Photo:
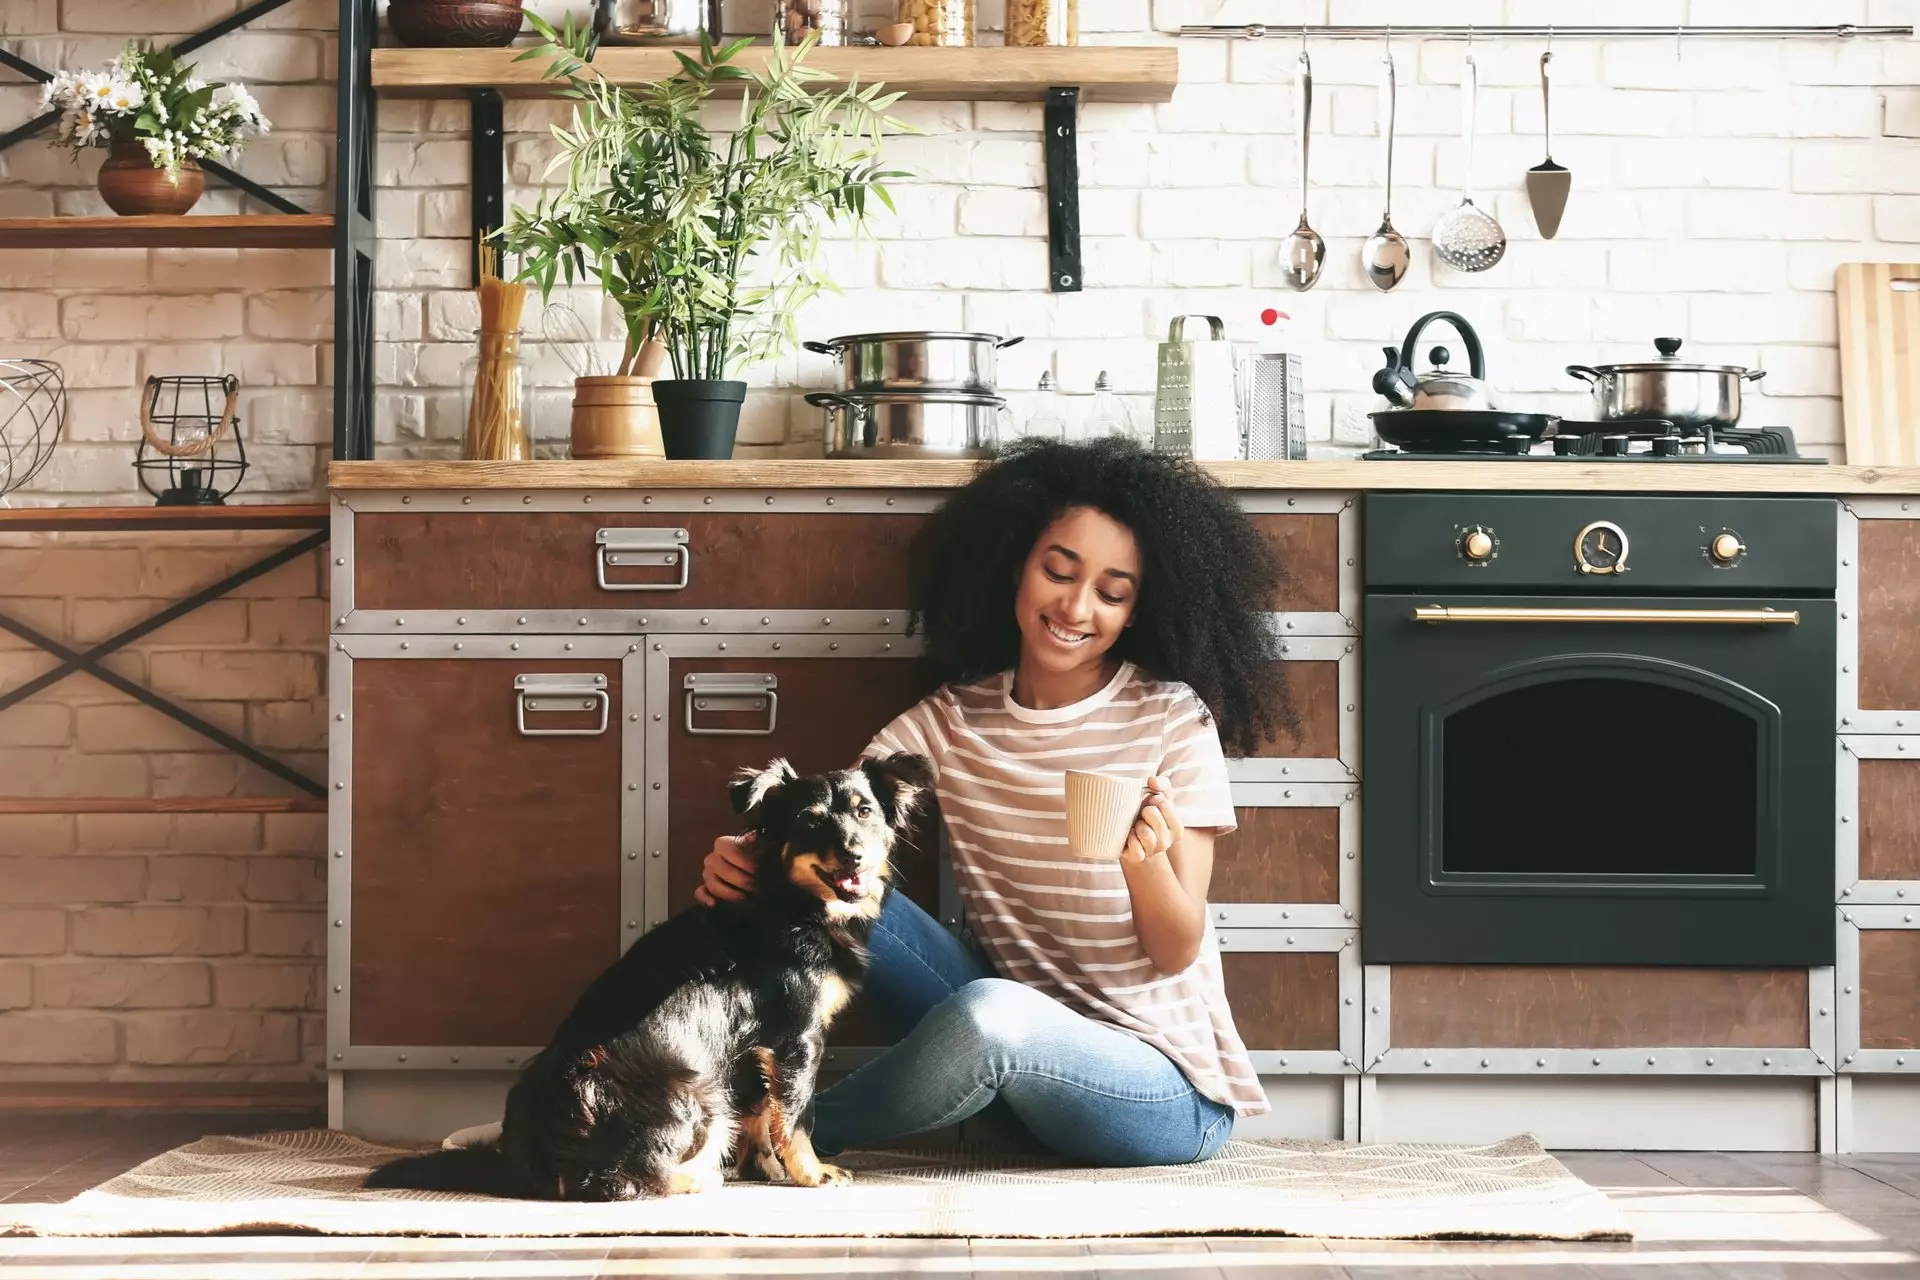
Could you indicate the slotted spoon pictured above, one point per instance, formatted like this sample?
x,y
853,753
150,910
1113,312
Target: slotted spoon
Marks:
x,y
1467,237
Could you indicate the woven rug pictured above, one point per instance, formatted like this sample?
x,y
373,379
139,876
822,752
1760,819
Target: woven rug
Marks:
x,y
310,1180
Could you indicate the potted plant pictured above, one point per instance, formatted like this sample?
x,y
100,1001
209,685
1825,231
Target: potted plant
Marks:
x,y
155,118
708,244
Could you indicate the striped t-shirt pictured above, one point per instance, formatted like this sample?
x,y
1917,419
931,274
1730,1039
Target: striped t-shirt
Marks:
x,y
1064,925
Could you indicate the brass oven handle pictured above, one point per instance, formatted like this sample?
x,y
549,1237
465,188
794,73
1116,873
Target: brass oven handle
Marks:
x,y
1725,617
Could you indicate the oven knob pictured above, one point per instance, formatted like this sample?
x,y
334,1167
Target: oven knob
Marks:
x,y
1477,544
1726,548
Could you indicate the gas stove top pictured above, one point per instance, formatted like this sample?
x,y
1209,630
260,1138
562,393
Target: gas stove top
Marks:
x,y
1606,442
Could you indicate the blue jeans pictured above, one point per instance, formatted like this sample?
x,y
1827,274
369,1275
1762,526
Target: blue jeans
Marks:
x,y
1090,1092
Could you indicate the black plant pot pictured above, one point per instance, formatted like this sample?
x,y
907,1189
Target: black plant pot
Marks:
x,y
698,416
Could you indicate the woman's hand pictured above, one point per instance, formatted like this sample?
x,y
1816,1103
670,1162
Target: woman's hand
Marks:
x,y
1158,828
726,875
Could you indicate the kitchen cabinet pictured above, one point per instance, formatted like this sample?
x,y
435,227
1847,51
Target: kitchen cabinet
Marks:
x,y
477,878
496,847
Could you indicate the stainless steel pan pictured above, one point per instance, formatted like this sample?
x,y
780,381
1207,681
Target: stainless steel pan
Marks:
x,y
909,424
1691,396
925,360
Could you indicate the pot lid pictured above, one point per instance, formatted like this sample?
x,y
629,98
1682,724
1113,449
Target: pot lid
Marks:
x,y
910,335
1669,362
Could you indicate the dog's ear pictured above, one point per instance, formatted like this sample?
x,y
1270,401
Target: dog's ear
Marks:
x,y
752,787
899,781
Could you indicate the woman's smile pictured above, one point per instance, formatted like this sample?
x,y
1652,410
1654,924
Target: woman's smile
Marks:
x,y
1065,635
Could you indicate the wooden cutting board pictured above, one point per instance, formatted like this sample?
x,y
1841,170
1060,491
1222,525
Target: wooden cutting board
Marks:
x,y
1880,361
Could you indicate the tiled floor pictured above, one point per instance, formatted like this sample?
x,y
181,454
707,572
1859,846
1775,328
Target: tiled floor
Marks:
x,y
1731,1217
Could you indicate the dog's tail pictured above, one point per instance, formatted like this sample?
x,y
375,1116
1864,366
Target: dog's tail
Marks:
x,y
481,1167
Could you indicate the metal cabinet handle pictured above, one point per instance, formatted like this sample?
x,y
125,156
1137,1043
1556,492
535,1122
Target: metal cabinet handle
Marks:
x,y
643,546
547,694
732,691
1725,617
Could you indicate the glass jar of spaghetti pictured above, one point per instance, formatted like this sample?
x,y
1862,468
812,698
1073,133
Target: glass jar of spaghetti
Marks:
x,y
1043,22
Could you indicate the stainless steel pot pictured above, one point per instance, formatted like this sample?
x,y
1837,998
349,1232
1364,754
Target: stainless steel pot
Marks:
x,y
1691,396
909,424
916,361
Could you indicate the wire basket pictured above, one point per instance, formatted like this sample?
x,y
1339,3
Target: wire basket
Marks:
x,y
33,414
190,438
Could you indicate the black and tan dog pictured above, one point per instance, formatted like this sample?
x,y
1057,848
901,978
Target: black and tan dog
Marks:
x,y
705,1037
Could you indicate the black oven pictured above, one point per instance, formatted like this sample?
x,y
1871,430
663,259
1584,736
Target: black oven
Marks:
x,y
1598,730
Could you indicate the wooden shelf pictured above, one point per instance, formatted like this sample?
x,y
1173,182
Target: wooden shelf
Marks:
x,y
184,231
163,804
1104,73
146,519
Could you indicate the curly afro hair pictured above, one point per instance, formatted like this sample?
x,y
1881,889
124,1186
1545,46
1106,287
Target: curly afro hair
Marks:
x,y
1208,577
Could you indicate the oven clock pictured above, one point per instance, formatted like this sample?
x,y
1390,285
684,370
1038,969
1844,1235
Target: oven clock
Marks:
x,y
1601,547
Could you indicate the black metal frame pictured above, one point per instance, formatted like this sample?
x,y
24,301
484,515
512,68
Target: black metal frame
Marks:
x,y
354,235
199,39
89,661
1062,147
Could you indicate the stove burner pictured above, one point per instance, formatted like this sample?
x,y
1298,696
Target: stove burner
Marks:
x,y
1649,442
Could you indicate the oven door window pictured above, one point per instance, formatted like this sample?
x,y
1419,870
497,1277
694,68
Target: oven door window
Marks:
x,y
1611,770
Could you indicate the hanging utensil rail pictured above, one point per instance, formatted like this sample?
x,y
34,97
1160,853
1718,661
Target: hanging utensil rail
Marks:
x,y
1260,30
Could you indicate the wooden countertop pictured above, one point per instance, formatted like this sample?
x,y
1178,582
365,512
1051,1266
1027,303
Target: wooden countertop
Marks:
x,y
816,473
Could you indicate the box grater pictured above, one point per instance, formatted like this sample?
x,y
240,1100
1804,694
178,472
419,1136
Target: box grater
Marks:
x,y
1273,410
1195,411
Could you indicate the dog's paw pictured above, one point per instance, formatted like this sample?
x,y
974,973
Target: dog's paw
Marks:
x,y
691,1180
825,1175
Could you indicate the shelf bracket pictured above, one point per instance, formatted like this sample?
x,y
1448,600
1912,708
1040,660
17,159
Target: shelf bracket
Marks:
x,y
487,133
1062,147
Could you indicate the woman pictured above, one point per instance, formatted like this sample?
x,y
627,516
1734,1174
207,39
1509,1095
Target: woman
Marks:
x,y
1085,607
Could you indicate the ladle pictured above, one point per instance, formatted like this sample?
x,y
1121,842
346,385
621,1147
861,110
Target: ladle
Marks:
x,y
1304,252
1385,255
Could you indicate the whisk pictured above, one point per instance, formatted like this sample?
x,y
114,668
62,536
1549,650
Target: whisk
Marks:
x,y
563,330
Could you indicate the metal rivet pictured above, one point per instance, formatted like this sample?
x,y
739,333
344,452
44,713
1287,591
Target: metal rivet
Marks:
x,y
633,924
406,644
887,647
657,646
1289,939
583,622
1823,1013
337,987
1426,1062
461,621
406,499
515,646
1374,1009
647,501
338,1056
1845,819
399,622
1649,1061
569,646
766,622
656,786
1286,915
705,621
341,716
1596,1062
1844,668
1847,990
643,622
1539,1062
340,560
826,622
339,786
1709,1061
520,621
1844,720
467,501
653,853
829,501
776,644
339,853
769,499
1843,613
587,498
340,621
1485,1063
633,855
633,786
708,500
1283,1062
339,924
833,645
1765,1062
723,646
528,499
1348,1001
889,501
633,717
657,716
1349,855
1220,916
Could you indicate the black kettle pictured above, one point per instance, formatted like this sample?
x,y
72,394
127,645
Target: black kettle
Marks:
x,y
1445,412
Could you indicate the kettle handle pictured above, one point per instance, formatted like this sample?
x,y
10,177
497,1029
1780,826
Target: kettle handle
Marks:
x,y
1476,361
1586,373
1176,331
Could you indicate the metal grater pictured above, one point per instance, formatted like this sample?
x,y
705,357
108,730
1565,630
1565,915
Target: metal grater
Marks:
x,y
1273,411
1194,410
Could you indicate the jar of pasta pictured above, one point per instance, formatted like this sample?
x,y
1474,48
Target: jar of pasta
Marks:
x,y
939,22
1043,22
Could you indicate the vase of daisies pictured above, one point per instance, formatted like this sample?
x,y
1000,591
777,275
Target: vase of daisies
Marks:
x,y
156,120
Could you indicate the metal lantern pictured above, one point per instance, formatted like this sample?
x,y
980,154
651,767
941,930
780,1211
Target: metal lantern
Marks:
x,y
190,440
33,412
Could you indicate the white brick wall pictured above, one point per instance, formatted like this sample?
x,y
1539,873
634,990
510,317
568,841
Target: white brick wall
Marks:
x,y
1715,188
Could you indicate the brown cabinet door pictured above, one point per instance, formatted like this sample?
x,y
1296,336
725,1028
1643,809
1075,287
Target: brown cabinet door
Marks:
x,y
1278,854
1284,999
485,862
1889,614
830,708
1889,818
551,560
1308,547
1890,988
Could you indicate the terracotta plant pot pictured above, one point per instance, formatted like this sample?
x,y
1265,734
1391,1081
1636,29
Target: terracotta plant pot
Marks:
x,y
614,418
131,184
446,24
